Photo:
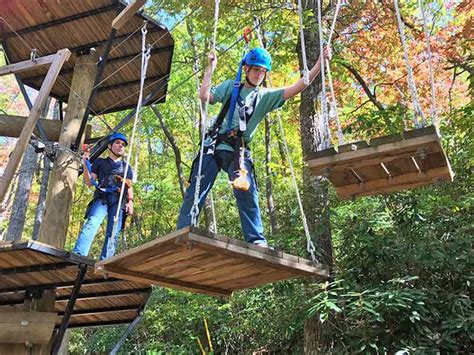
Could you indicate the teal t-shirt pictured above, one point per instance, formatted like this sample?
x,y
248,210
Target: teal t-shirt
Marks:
x,y
267,100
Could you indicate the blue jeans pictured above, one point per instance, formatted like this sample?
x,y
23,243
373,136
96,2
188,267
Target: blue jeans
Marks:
x,y
247,201
96,214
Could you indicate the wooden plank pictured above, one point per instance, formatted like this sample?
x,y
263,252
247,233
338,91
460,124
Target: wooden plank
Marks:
x,y
321,153
161,281
396,183
127,13
259,257
11,126
26,327
342,177
27,65
391,138
351,147
401,166
143,251
14,160
418,132
376,154
371,172
431,161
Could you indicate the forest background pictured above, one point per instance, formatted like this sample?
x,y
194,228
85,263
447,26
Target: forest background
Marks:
x,y
402,262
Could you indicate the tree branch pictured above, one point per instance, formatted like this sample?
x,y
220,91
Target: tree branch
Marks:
x,y
364,85
177,152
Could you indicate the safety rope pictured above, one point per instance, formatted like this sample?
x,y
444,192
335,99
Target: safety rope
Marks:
x,y
433,113
333,112
143,68
411,80
194,73
146,54
326,141
303,46
195,208
309,242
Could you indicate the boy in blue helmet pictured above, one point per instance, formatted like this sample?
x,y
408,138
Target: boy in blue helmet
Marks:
x,y
107,176
226,148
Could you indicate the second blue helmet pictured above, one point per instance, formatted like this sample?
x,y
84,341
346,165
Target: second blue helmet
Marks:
x,y
259,57
117,135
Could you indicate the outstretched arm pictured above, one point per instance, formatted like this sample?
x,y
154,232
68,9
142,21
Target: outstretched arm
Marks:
x,y
205,91
299,86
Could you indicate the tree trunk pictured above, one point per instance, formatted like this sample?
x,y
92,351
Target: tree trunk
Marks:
x,y
26,174
44,185
174,146
317,335
20,203
5,208
281,150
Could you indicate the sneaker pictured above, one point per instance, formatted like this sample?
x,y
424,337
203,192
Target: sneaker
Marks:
x,y
263,245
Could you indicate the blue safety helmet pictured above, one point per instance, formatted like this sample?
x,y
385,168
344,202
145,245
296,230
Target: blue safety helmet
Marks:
x,y
259,57
117,135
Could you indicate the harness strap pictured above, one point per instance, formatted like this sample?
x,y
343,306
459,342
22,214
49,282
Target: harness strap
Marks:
x,y
96,184
109,189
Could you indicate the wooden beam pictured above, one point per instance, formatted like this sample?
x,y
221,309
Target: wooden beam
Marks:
x,y
160,281
20,147
27,65
127,13
302,267
26,327
396,183
11,126
63,179
60,21
376,154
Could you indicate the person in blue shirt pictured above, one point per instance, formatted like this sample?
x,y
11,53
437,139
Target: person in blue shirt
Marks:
x,y
107,177
226,144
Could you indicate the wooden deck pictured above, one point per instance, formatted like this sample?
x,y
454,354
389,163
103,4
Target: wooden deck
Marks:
x,y
391,163
192,260
50,25
29,268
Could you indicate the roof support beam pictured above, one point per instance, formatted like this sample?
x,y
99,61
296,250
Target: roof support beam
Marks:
x,y
127,13
27,65
129,83
110,61
35,268
61,21
91,295
20,147
11,126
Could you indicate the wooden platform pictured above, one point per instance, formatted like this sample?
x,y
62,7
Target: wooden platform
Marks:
x,y
28,268
192,260
50,25
391,163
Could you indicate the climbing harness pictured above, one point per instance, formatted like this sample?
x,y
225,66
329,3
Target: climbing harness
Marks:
x,y
235,90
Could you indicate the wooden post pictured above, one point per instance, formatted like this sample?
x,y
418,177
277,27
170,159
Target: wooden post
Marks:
x,y
127,13
63,179
20,147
